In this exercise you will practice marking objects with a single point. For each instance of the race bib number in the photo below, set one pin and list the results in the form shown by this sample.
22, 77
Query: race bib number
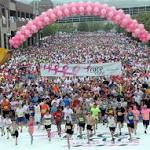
81, 119
119, 113
68, 127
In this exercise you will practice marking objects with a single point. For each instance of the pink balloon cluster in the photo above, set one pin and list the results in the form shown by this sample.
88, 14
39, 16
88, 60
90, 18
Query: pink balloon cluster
80, 8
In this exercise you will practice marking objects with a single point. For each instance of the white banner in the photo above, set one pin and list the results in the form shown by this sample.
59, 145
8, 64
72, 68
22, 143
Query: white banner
106, 69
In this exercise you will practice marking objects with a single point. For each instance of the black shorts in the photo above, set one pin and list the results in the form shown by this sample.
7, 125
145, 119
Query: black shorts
89, 127
5, 113
146, 122
112, 129
120, 120
103, 112
81, 125
27, 116
8, 129
70, 132
130, 125
16, 134
48, 127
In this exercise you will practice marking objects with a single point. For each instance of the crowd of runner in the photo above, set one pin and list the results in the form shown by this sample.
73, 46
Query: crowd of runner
27, 98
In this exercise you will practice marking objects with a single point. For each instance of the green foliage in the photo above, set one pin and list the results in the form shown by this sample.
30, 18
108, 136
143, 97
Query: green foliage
83, 27
108, 26
54, 28
144, 18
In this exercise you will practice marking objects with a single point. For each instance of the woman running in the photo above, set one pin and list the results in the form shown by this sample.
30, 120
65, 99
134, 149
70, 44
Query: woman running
58, 117
95, 113
69, 129
90, 125
8, 124
2, 124
47, 123
81, 122
146, 117
31, 125
136, 113
15, 132
130, 122
112, 125
120, 111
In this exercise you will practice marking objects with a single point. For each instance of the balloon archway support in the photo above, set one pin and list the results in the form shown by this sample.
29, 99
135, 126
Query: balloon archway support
118, 17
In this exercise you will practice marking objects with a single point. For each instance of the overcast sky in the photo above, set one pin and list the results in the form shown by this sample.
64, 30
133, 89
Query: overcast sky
27, 1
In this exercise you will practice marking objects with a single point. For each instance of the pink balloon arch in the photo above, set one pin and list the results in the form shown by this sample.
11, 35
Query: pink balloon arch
81, 8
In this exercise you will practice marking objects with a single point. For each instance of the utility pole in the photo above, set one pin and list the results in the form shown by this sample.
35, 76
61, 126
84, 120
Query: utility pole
36, 10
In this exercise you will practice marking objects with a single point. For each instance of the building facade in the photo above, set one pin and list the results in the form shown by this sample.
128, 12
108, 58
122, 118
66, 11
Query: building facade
131, 7
13, 15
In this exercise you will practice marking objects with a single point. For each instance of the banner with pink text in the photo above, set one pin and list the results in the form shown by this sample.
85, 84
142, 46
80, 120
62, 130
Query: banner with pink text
106, 69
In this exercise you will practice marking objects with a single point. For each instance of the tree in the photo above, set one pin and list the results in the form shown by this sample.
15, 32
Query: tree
108, 26
83, 27
144, 18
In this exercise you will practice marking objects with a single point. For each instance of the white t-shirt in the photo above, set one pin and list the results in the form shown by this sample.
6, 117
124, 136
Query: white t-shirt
2, 123
20, 112
67, 81
111, 121
7, 122
37, 110
26, 109
47, 119
68, 112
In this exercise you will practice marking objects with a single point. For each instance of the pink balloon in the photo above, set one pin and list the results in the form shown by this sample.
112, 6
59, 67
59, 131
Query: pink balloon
66, 12
120, 11
81, 9
148, 37
134, 35
11, 42
59, 13
27, 32
137, 31
49, 12
118, 17
74, 10
23, 38
132, 26
39, 24
89, 9
34, 29
141, 26
125, 22
111, 13
96, 9
53, 17
46, 20
103, 12
15, 46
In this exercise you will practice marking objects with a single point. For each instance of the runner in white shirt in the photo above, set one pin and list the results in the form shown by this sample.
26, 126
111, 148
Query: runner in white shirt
37, 116
7, 123
68, 112
112, 125
2, 124
20, 114
26, 111
47, 120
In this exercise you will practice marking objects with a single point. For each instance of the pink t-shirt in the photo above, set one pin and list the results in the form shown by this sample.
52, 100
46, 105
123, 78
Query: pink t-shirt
136, 114
145, 114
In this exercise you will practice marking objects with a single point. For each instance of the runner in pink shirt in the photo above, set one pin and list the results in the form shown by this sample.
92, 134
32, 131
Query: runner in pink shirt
146, 117
31, 125
136, 113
